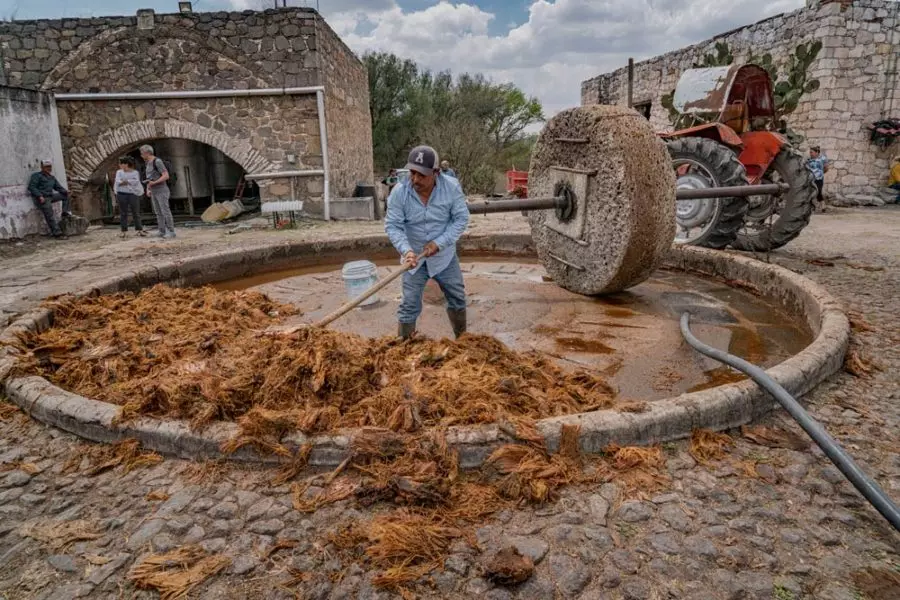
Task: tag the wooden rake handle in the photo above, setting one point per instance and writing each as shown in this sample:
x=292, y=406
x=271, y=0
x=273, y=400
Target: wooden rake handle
x=365, y=295
x=337, y=314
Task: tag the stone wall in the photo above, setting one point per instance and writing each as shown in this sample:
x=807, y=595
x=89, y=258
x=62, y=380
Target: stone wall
x=29, y=132
x=347, y=113
x=861, y=42
x=256, y=133
x=200, y=51
x=222, y=50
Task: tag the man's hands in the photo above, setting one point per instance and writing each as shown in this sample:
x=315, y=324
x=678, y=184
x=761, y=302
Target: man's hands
x=412, y=260
x=430, y=249
x=40, y=199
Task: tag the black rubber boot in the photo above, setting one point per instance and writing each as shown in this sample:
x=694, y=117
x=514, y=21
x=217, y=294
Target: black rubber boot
x=457, y=321
x=405, y=330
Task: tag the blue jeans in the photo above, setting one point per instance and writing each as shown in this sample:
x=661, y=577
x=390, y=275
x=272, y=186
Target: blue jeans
x=450, y=280
x=896, y=187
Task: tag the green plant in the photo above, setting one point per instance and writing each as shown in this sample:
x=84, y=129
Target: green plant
x=722, y=58
x=481, y=181
x=627, y=530
x=764, y=61
x=782, y=593
x=793, y=86
x=667, y=102
x=789, y=90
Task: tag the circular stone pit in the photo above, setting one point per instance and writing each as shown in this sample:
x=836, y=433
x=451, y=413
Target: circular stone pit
x=665, y=419
x=631, y=338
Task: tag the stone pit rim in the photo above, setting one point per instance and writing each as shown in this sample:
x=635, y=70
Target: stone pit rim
x=718, y=408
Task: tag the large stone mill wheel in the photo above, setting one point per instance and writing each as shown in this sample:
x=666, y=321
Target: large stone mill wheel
x=618, y=172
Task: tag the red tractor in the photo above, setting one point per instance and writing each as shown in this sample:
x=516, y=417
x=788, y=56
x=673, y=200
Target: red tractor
x=735, y=145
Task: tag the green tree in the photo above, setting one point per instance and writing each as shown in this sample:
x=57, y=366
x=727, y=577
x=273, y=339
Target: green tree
x=479, y=126
x=396, y=103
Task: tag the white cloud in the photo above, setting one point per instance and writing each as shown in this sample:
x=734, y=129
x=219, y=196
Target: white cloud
x=562, y=43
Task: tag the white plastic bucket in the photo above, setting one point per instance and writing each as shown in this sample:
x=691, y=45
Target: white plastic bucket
x=358, y=277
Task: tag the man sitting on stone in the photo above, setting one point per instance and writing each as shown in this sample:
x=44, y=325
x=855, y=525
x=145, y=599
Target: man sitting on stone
x=45, y=190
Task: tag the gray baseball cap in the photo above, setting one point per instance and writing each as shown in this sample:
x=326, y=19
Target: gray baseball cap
x=423, y=159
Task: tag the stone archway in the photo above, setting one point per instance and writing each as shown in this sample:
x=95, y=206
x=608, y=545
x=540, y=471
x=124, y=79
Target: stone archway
x=83, y=163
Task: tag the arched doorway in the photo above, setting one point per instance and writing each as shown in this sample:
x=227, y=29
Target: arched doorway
x=203, y=174
x=92, y=161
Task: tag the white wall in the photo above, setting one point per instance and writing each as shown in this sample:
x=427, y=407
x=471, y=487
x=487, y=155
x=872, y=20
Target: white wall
x=29, y=131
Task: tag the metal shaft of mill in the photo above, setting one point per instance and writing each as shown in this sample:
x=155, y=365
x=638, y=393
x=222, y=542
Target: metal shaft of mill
x=560, y=202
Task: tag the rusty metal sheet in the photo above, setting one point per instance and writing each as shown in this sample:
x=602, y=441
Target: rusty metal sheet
x=714, y=131
x=709, y=91
x=703, y=90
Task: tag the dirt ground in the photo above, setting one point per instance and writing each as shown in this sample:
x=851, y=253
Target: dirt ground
x=762, y=522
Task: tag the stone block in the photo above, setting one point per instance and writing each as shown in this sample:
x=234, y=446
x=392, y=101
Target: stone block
x=343, y=209
x=74, y=225
x=278, y=189
x=315, y=185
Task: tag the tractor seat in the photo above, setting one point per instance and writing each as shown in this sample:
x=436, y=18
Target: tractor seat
x=737, y=116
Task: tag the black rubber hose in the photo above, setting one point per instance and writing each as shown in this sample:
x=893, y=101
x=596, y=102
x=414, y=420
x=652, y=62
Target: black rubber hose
x=866, y=486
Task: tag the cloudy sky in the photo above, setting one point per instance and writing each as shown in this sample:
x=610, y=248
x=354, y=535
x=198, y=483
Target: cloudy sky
x=547, y=47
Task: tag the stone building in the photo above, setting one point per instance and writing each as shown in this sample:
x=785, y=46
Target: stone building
x=857, y=68
x=259, y=83
x=29, y=129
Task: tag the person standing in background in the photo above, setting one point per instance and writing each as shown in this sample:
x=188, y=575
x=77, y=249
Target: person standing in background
x=128, y=190
x=446, y=170
x=158, y=191
x=390, y=181
x=894, y=179
x=818, y=164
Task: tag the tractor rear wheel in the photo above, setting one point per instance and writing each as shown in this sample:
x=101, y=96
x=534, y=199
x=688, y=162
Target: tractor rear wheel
x=705, y=163
x=773, y=221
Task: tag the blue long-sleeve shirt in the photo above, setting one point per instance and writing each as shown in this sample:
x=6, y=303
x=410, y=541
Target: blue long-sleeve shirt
x=410, y=224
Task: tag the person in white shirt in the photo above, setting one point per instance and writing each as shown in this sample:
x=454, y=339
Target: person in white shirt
x=128, y=189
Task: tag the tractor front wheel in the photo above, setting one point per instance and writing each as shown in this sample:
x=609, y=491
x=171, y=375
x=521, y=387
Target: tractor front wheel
x=773, y=221
x=705, y=163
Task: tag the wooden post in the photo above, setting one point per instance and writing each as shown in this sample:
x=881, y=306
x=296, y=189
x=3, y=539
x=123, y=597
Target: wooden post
x=630, y=82
x=190, y=190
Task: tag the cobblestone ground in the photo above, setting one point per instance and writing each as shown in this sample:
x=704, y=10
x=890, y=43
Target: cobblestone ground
x=799, y=530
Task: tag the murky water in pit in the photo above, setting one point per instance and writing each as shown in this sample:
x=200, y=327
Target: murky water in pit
x=632, y=338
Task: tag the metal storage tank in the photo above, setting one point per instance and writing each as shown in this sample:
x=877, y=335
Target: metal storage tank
x=225, y=172
x=187, y=157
